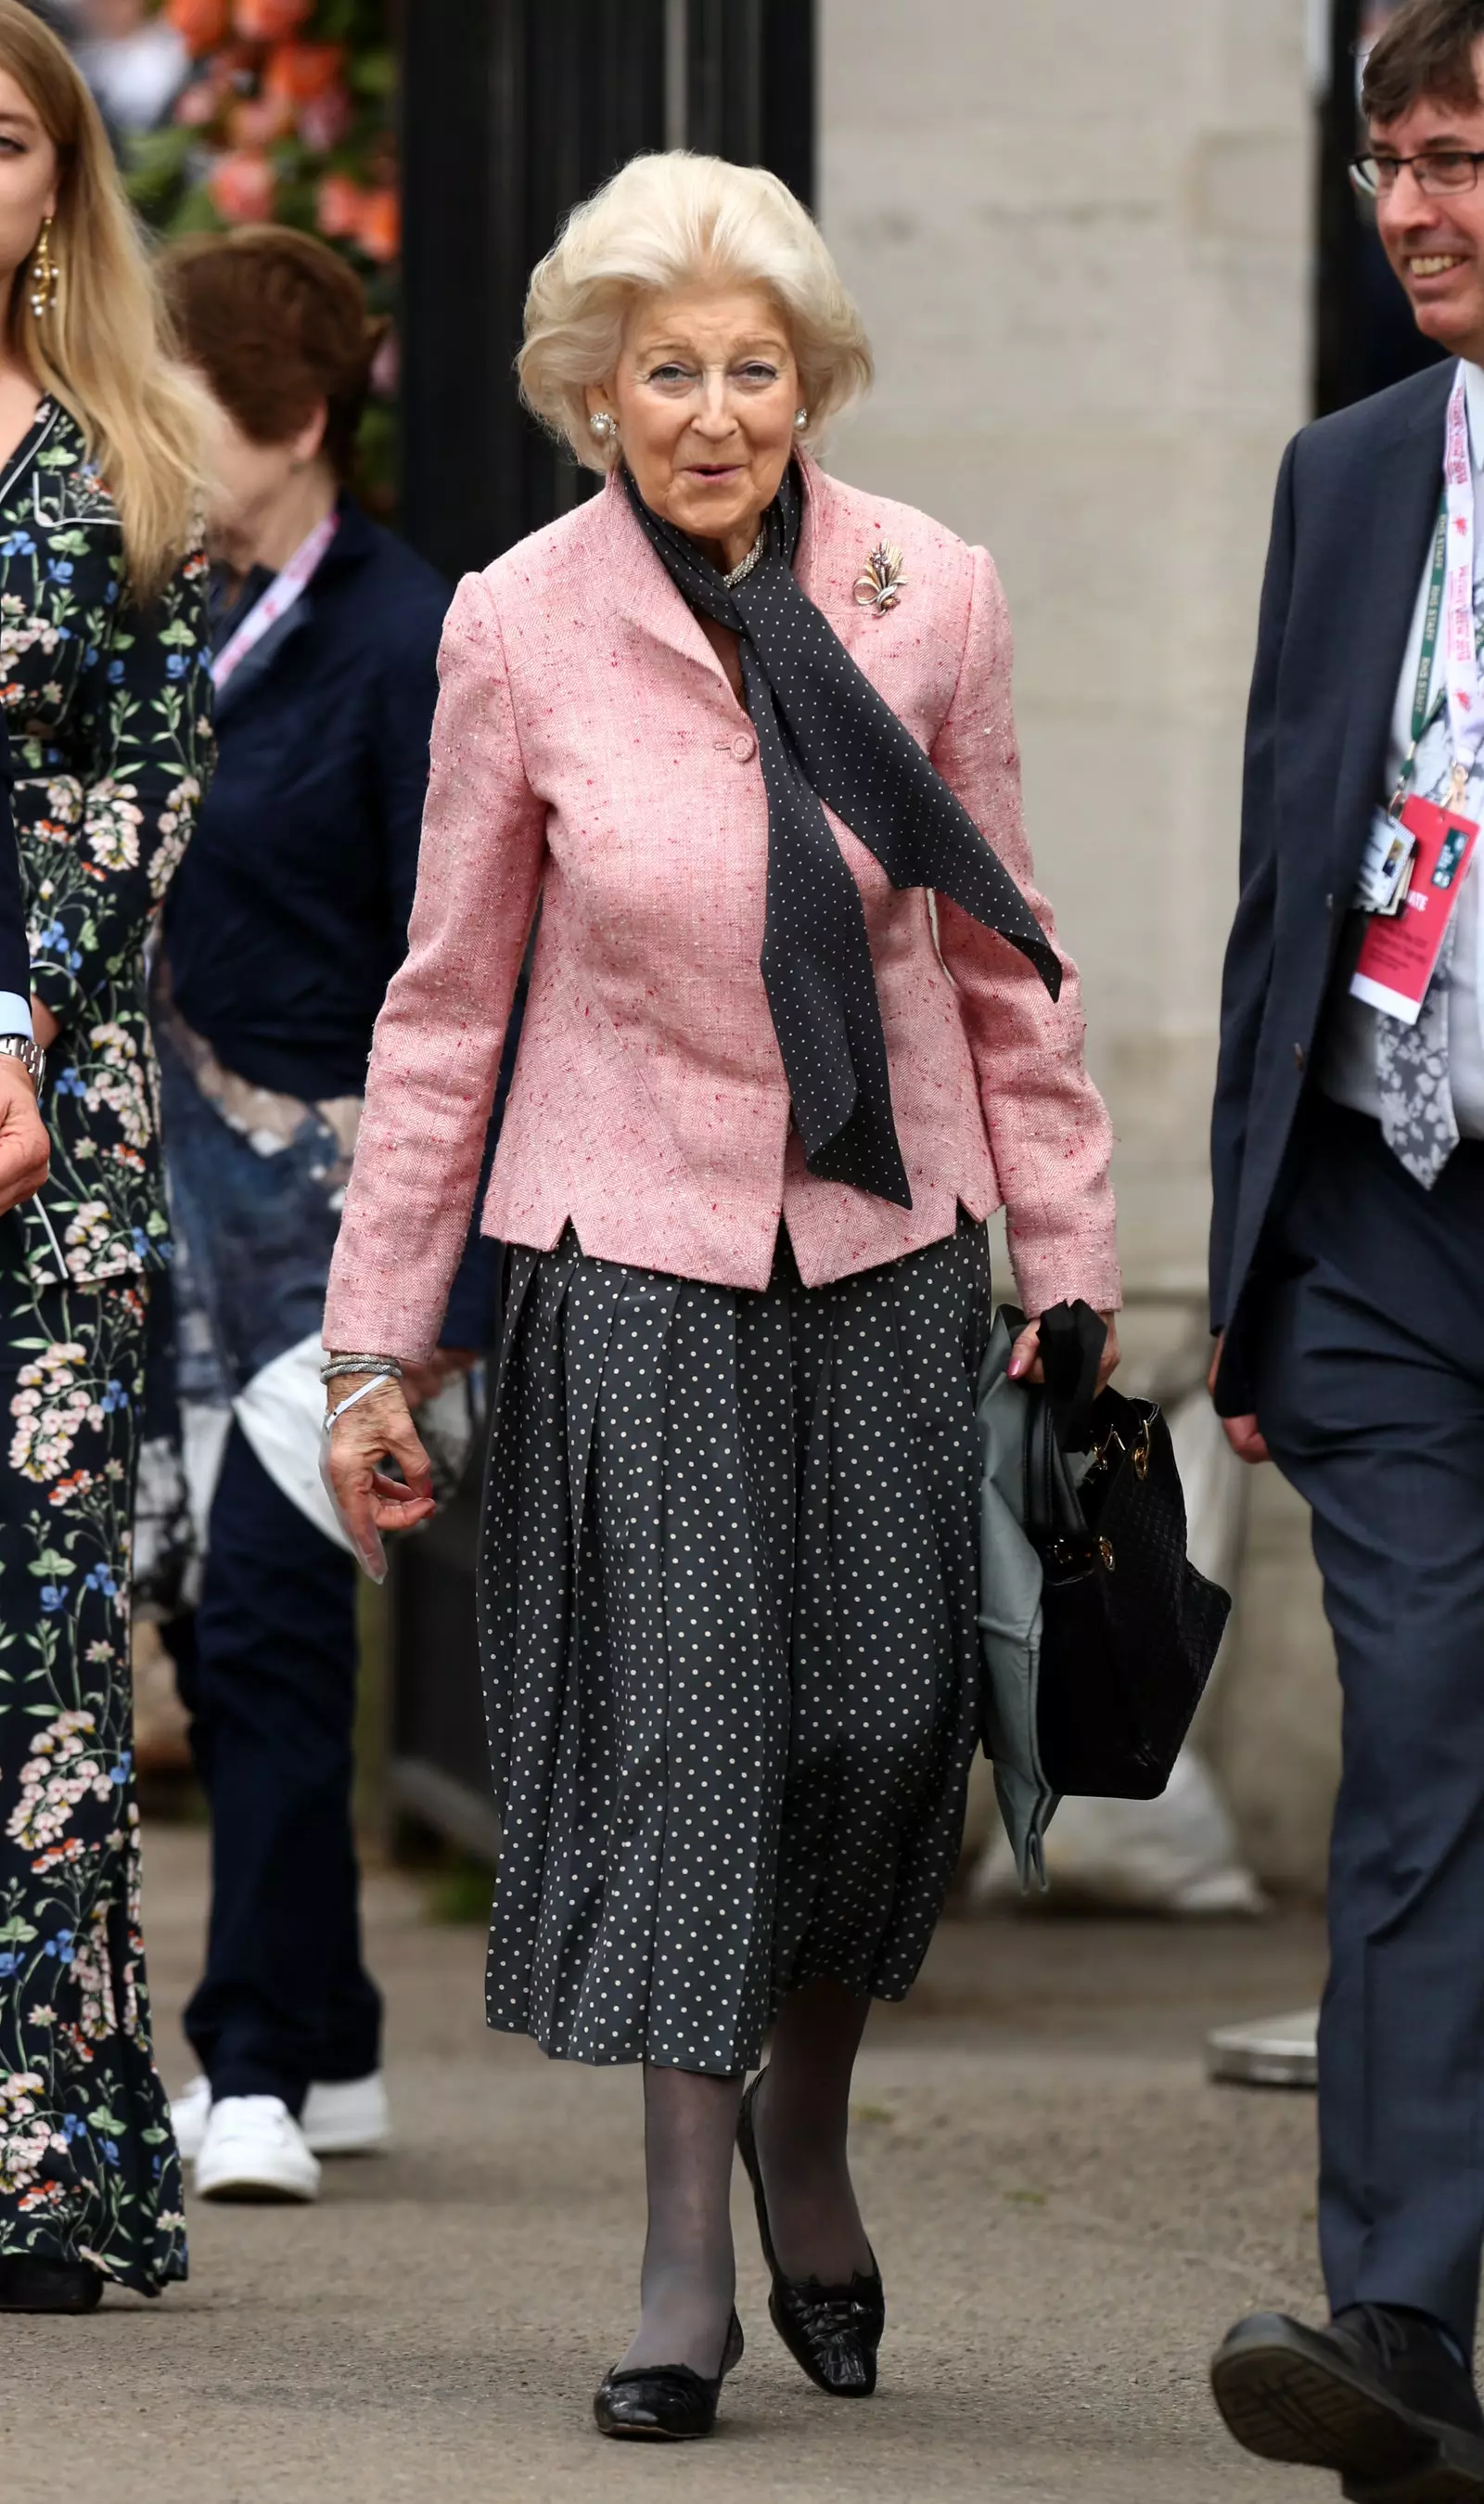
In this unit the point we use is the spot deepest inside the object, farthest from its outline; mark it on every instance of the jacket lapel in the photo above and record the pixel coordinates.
(632, 574)
(261, 657)
(645, 591)
(1403, 484)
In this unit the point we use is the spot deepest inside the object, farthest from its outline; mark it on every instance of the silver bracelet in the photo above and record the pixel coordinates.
(339, 1366)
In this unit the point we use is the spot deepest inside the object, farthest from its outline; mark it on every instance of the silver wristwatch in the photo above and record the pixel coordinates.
(32, 1058)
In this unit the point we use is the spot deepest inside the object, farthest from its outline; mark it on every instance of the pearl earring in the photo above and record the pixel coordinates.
(801, 419)
(603, 425)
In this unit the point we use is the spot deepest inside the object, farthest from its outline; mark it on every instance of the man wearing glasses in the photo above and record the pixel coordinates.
(1347, 1263)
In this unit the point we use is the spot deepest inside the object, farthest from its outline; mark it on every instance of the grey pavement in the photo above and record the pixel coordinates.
(1067, 2216)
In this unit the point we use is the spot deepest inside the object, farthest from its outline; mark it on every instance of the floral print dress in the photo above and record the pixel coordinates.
(107, 707)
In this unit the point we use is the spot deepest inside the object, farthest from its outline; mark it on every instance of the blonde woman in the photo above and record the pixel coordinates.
(104, 695)
(761, 1113)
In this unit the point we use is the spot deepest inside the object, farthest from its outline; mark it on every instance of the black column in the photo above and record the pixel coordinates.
(751, 79)
(1365, 338)
(456, 185)
(513, 111)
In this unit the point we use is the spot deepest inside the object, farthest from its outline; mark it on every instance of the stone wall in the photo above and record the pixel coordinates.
(1081, 233)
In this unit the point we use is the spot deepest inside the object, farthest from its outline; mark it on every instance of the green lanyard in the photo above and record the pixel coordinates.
(1426, 708)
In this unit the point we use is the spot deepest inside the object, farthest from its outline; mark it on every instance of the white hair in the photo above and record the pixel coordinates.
(661, 224)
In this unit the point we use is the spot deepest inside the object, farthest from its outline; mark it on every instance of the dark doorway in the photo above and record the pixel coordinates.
(1365, 334)
(515, 110)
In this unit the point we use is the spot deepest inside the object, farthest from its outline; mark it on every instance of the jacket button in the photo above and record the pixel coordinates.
(1298, 1056)
(745, 748)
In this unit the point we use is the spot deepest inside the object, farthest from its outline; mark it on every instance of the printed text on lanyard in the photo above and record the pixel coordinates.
(1460, 655)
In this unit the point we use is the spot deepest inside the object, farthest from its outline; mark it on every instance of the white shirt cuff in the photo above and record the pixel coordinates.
(15, 1015)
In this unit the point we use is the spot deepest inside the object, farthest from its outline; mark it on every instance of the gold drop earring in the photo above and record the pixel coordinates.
(46, 277)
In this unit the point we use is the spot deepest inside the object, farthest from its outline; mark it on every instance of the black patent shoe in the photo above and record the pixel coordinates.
(1378, 2397)
(32, 2286)
(832, 2331)
(663, 2403)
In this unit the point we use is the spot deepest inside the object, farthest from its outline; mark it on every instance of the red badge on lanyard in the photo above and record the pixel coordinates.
(1398, 956)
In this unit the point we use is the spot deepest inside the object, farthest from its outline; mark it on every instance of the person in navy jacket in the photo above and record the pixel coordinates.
(1348, 1170)
(287, 920)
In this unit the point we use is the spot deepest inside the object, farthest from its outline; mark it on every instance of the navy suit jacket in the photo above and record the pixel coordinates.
(1357, 504)
(14, 949)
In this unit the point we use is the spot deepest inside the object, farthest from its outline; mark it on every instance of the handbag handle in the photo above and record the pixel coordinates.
(1073, 1338)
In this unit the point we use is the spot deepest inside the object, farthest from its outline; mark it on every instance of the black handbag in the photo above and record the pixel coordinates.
(1130, 1630)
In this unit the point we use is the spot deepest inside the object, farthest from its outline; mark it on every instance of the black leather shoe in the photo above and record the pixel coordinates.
(663, 2403)
(32, 2286)
(832, 2331)
(1378, 2397)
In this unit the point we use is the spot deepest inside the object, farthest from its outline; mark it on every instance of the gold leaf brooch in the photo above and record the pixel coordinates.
(881, 584)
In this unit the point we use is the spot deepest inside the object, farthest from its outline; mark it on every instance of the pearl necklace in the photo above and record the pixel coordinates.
(740, 573)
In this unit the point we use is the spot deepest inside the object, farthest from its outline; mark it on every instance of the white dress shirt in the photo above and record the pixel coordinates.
(1348, 1062)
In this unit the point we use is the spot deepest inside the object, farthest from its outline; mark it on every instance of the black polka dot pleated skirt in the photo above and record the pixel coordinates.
(728, 1627)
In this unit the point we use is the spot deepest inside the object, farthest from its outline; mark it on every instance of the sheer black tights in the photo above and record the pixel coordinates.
(802, 2118)
(689, 2276)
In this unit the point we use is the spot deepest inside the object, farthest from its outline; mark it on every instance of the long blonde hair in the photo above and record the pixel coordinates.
(104, 348)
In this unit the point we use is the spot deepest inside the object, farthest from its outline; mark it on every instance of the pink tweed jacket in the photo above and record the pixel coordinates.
(589, 751)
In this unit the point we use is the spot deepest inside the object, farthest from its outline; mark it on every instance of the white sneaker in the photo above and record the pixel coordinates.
(254, 2150)
(190, 2114)
(350, 2118)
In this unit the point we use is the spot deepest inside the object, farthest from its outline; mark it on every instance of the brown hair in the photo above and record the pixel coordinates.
(102, 345)
(276, 322)
(1426, 50)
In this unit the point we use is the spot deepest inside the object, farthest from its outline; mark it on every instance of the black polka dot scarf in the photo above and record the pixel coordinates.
(824, 735)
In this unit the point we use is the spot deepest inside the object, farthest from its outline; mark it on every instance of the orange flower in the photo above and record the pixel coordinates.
(254, 123)
(201, 22)
(297, 72)
(338, 206)
(269, 21)
(379, 228)
(241, 187)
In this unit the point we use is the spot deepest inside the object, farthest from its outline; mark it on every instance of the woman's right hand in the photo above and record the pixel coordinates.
(378, 1428)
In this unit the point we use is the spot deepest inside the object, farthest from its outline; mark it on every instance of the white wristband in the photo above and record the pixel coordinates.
(364, 1393)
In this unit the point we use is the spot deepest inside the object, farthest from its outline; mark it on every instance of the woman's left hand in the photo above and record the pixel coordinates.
(1025, 1363)
(44, 1025)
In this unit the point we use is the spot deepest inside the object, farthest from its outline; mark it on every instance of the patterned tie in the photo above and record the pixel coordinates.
(1418, 1122)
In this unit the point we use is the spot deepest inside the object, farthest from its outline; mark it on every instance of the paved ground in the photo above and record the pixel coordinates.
(1066, 2217)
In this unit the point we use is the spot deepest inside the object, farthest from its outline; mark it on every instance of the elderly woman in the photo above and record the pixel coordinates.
(796, 1029)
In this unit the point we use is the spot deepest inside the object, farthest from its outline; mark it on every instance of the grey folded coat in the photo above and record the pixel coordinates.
(1010, 1582)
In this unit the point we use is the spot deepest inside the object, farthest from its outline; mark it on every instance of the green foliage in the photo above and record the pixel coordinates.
(298, 131)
